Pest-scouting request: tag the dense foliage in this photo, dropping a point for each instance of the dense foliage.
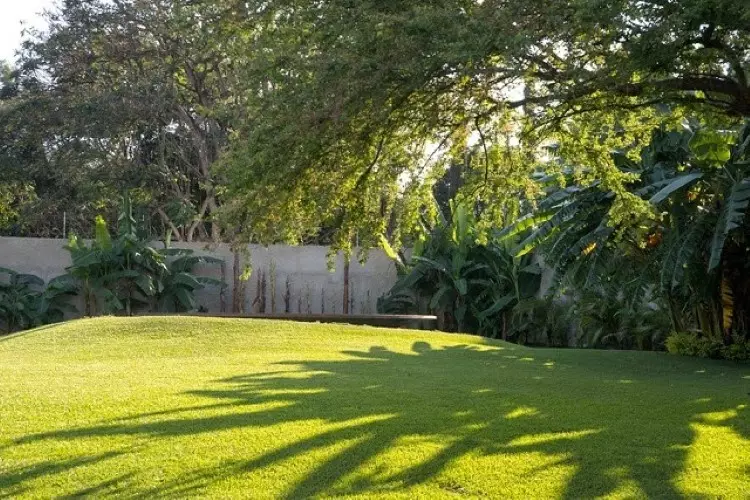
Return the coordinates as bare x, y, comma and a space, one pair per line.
127, 274
370, 100
684, 257
679, 265
471, 286
120, 275
691, 344
26, 302
120, 95
332, 119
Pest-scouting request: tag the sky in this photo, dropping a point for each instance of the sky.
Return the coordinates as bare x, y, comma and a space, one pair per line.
12, 13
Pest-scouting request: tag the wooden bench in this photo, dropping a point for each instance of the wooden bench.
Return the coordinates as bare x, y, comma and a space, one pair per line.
414, 322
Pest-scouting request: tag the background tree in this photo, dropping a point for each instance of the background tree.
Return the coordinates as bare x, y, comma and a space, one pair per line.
133, 95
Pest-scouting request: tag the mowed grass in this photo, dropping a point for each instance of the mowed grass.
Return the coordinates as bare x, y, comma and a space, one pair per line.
175, 407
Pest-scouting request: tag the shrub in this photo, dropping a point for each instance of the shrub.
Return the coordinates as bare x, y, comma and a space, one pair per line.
738, 350
470, 286
692, 344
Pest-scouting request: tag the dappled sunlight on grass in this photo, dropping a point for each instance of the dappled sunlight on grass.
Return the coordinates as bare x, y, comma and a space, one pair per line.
522, 411
718, 461
281, 411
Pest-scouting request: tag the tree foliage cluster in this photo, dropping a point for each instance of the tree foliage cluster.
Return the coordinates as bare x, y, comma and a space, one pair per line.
689, 250
121, 95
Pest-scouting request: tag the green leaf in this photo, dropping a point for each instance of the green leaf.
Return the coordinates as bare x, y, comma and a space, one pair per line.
523, 224
711, 146
546, 229
206, 281
176, 252
682, 252
498, 306
145, 284
186, 280
9, 272
29, 280
461, 286
532, 269
442, 293
87, 258
186, 299
675, 185
731, 218
744, 145
435, 265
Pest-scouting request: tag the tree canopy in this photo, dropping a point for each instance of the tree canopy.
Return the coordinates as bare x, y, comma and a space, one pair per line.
366, 101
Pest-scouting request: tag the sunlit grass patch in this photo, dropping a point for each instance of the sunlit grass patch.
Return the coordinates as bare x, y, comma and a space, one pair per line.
235, 408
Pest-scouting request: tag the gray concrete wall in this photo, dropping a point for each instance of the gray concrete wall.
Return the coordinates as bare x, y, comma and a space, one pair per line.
312, 287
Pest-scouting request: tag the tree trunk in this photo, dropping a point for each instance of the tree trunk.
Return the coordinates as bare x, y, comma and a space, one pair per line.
176, 233
238, 288
222, 292
346, 285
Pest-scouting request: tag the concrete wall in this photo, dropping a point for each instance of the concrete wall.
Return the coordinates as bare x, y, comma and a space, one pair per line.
312, 287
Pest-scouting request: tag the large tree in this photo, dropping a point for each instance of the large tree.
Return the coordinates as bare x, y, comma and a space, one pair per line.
363, 98
139, 95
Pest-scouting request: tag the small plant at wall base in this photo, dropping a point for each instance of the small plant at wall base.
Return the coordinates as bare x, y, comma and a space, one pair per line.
177, 285
25, 301
260, 293
288, 296
694, 344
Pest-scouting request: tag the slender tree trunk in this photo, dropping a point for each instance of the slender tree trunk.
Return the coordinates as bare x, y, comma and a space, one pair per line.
204, 143
222, 292
346, 284
213, 207
238, 288
674, 317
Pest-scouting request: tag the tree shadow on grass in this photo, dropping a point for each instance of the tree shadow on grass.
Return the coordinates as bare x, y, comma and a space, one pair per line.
13, 481
610, 428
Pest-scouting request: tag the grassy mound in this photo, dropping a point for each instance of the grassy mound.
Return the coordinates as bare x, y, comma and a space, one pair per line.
186, 406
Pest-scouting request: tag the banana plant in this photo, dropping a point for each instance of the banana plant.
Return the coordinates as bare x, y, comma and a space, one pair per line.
178, 284
697, 181
126, 274
18, 294
505, 282
117, 275
471, 286
54, 304
442, 270
26, 302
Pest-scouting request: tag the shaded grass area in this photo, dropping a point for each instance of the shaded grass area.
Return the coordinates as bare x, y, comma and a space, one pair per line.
175, 407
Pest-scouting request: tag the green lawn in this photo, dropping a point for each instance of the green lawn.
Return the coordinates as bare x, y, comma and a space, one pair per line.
173, 407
